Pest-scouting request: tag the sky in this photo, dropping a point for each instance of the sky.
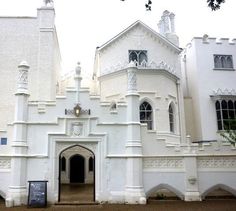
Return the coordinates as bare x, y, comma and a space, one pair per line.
82, 25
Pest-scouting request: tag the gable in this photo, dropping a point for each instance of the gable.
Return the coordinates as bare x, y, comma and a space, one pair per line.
147, 29
114, 55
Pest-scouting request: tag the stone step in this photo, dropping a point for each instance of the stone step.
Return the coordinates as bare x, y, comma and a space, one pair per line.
76, 203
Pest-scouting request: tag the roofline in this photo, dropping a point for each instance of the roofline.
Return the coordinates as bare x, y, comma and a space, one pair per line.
132, 25
19, 17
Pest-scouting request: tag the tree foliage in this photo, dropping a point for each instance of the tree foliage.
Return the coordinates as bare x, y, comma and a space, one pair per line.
213, 4
230, 134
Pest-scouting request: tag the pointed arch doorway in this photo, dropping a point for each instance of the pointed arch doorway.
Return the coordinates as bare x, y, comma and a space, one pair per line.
76, 175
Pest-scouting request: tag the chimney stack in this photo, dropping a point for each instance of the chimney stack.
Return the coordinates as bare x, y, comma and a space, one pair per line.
167, 27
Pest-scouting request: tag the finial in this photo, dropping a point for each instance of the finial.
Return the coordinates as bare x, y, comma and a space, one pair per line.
78, 69
131, 64
205, 38
22, 83
48, 3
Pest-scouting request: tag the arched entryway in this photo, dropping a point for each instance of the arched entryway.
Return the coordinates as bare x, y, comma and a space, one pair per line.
76, 175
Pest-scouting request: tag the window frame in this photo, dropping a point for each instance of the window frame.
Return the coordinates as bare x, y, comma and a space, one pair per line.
224, 114
221, 63
147, 113
138, 53
171, 115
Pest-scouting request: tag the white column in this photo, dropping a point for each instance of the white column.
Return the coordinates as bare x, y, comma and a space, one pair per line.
17, 192
134, 192
77, 79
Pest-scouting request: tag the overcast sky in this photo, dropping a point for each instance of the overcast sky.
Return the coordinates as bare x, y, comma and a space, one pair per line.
82, 25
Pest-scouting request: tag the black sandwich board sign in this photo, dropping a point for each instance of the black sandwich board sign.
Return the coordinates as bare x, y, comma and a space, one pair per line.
37, 195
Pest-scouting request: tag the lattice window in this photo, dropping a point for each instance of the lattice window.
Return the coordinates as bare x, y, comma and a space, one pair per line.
223, 61
226, 113
171, 118
139, 57
145, 110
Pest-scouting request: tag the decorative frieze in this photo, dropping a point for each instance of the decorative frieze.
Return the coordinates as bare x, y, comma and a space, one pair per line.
5, 163
216, 162
163, 163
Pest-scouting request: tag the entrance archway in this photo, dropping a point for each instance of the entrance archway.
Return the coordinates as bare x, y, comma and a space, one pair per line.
76, 177
77, 169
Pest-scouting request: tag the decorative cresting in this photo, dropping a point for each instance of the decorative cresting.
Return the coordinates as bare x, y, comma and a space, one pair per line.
157, 163
144, 65
22, 83
225, 92
132, 78
217, 162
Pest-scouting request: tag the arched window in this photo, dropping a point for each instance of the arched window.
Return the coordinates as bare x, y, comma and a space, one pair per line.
217, 62
145, 111
226, 114
143, 59
171, 118
223, 61
63, 164
91, 160
139, 57
133, 56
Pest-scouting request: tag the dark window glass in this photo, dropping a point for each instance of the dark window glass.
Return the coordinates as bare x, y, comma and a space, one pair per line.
226, 114
63, 164
91, 160
138, 56
223, 61
217, 105
3, 141
145, 113
171, 118
224, 104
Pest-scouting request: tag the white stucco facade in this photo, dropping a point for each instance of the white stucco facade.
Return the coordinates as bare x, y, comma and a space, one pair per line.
132, 120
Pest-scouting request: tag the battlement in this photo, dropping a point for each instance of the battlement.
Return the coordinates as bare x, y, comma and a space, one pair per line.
213, 40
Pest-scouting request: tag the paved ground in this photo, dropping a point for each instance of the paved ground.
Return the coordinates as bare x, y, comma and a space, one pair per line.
78, 193
209, 205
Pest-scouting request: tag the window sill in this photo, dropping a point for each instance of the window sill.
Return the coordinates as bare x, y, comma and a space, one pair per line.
224, 69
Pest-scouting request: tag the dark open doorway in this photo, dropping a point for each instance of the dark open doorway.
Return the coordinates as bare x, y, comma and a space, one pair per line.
77, 169
76, 175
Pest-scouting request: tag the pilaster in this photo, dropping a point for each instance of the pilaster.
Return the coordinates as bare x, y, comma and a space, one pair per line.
191, 180
181, 112
134, 192
17, 192
46, 74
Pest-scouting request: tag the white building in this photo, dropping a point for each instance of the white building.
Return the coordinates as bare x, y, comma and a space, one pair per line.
126, 134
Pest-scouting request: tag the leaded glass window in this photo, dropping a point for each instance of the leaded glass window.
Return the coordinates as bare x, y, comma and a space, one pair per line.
226, 114
139, 57
223, 62
171, 118
145, 110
